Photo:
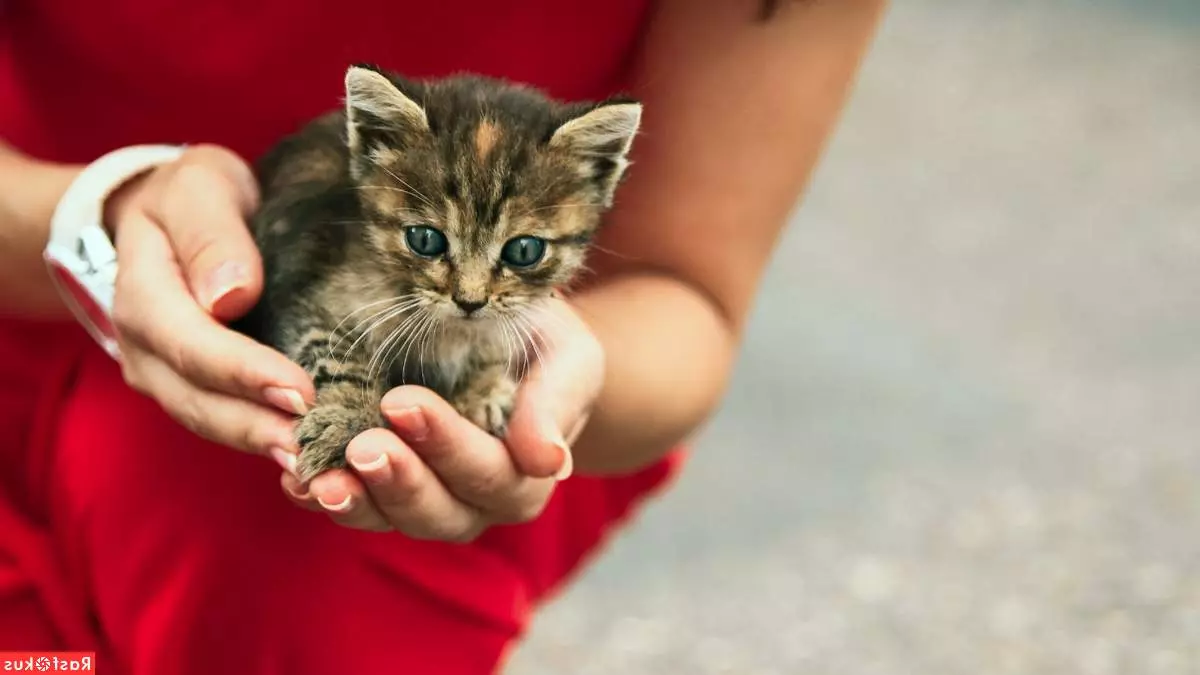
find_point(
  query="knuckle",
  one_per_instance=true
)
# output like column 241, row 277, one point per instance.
column 196, row 247
column 205, row 153
column 193, row 173
column 187, row 411
column 123, row 318
column 399, row 501
column 125, row 313
column 223, row 165
column 180, row 358
column 463, row 535
column 526, row 510
column 251, row 438
column 439, row 529
column 194, row 366
column 486, row 484
column 133, row 376
column 240, row 372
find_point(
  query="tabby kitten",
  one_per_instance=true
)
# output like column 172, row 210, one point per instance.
column 412, row 237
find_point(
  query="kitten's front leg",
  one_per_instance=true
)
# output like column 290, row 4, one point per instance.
column 347, row 403
column 485, row 396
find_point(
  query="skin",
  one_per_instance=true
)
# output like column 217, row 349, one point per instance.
column 609, row 389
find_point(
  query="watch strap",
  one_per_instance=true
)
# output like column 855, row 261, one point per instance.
column 79, row 250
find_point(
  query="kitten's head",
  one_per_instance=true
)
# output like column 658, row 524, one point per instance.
column 481, row 196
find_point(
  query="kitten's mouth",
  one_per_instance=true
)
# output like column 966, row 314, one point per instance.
column 473, row 318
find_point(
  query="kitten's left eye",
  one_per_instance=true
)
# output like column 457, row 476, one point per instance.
column 523, row 251
column 425, row 241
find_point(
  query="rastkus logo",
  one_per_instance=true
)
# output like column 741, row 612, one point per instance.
column 11, row 662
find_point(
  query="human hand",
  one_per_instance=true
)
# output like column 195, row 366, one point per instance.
column 186, row 262
column 436, row 475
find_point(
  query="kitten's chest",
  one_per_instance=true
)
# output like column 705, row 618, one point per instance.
column 452, row 361
column 447, row 360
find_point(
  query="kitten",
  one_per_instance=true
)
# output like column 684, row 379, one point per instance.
column 411, row 237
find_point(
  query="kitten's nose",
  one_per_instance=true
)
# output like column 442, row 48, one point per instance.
column 469, row 306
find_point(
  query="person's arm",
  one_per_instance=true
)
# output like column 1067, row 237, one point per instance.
column 737, row 111
column 29, row 192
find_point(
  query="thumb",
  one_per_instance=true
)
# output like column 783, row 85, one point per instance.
column 202, row 207
column 556, row 398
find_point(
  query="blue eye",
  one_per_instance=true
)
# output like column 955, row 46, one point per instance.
column 425, row 241
column 523, row 251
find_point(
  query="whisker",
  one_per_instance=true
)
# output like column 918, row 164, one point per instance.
column 510, row 347
column 393, row 353
column 376, row 320
column 396, row 299
column 408, row 344
column 523, row 325
column 387, row 316
column 423, row 342
column 403, row 332
column 615, row 254
column 543, row 321
column 548, row 207
column 415, row 192
column 395, row 305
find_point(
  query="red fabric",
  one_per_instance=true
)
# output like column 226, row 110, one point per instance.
column 122, row 533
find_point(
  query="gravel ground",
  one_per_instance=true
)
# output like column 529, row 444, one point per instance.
column 963, row 435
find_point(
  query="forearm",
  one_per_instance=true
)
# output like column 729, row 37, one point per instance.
column 29, row 192
column 715, row 174
column 669, row 356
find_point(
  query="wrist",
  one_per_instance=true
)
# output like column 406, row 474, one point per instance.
column 80, row 255
column 29, row 191
column 657, row 395
column 38, row 186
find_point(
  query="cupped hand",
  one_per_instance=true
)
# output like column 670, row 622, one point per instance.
column 435, row 475
column 187, row 263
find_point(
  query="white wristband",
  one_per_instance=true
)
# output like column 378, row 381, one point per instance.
column 79, row 254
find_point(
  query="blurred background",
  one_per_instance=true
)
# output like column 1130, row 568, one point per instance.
column 964, row 435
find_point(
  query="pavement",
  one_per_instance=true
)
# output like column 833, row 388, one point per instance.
column 964, row 434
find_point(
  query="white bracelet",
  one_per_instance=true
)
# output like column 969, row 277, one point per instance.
column 79, row 254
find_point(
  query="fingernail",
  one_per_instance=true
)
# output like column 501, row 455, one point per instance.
column 287, row 400
column 552, row 434
column 580, row 424
column 285, row 459
column 568, row 463
column 373, row 465
column 337, row 508
column 227, row 278
column 410, row 424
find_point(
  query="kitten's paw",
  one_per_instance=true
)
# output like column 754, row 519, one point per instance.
column 323, row 435
column 488, row 402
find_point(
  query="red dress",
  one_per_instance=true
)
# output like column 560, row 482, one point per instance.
column 122, row 533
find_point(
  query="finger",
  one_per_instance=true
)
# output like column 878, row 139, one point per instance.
column 153, row 309
column 345, row 500
column 298, row 492
column 225, row 420
column 410, row 496
column 554, row 402
column 203, row 205
column 472, row 464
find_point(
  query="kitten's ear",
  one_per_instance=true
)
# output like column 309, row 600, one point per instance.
column 378, row 113
column 600, row 139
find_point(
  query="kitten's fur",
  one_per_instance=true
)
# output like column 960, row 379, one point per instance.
column 347, row 298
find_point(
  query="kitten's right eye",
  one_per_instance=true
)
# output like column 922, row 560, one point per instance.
column 425, row 241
